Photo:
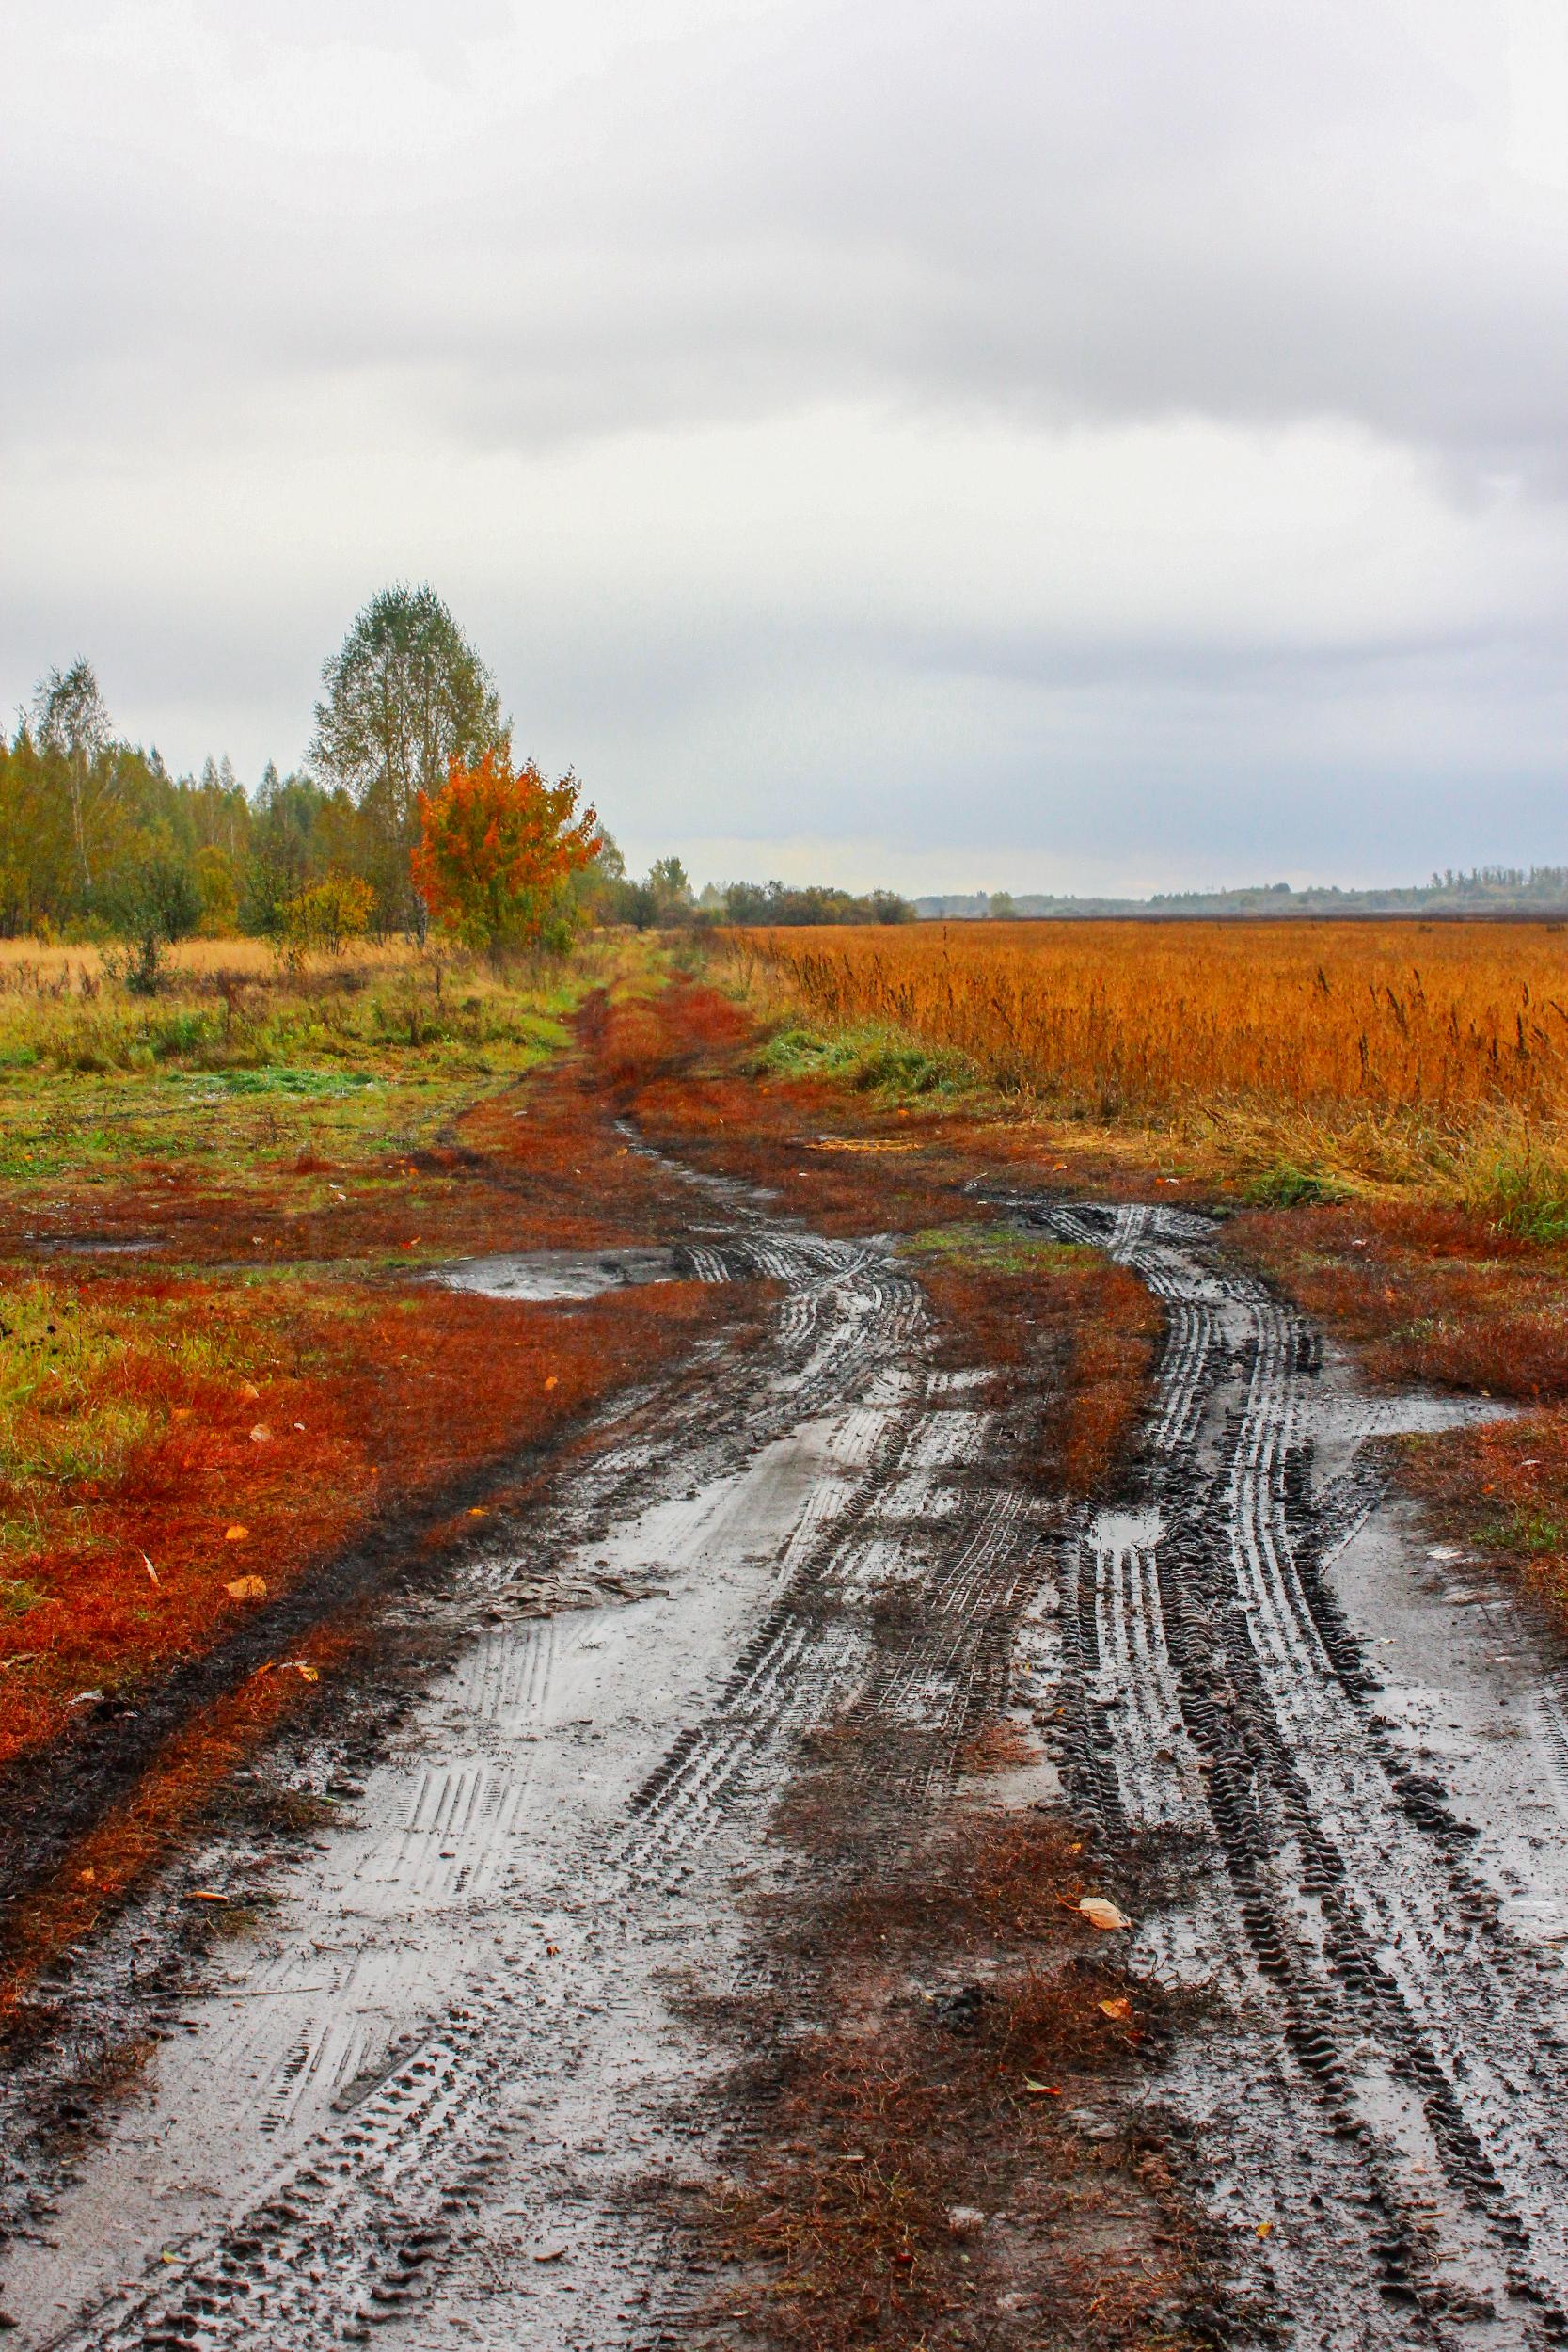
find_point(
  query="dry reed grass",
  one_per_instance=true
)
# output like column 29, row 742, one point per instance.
column 1394, row 1052
column 24, row 961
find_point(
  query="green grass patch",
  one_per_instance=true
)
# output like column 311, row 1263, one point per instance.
column 1286, row 1186
column 285, row 1081
column 1532, row 1535
column 344, row 1065
column 65, row 1358
column 872, row 1060
column 995, row 1250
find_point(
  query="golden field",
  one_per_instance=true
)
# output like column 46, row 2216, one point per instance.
column 1383, row 1052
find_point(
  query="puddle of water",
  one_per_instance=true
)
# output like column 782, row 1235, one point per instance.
column 545, row 1274
column 1125, row 1531
column 94, row 1244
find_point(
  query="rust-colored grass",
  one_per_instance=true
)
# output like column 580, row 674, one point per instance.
column 1430, row 1294
column 119, row 1577
column 106, row 1864
column 145, row 1415
column 1386, row 1050
column 1086, row 1327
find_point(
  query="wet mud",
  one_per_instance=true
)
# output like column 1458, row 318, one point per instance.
column 449, row 2088
column 1355, row 1760
column 545, row 1274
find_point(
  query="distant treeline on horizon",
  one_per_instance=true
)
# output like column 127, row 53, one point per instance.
column 1485, row 890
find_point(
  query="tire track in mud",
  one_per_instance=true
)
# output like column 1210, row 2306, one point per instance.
column 1388, row 2095
column 1399, row 2089
column 388, row 2154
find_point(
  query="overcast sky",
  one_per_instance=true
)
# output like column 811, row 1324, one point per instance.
column 968, row 443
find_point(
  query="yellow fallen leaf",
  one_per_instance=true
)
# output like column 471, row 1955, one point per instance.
column 552, row 1382
column 1118, row 2010
column 89, row 1878
column 204, row 1894
column 236, row 1535
column 1041, row 2090
column 260, row 1434
column 1264, row 2228
column 298, row 1666
column 1101, row 1913
column 250, row 1391
column 247, row 1588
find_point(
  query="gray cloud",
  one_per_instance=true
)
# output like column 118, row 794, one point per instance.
column 1014, row 417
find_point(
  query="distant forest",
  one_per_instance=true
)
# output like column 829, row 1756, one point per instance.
column 97, row 836
column 1485, row 890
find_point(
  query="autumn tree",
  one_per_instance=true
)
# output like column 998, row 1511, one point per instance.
column 498, row 850
column 407, row 695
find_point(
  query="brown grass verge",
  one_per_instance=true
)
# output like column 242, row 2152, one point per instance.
column 1430, row 1294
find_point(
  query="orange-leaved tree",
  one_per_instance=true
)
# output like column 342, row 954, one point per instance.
column 497, row 852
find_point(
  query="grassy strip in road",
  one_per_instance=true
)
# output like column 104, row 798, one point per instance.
column 927, row 2178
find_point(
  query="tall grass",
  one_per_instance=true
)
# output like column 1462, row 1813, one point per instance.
column 232, row 1006
column 1390, row 1051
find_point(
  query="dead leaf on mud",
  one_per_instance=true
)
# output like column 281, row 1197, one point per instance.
column 555, row 2254
column 1120, row 2009
column 247, row 1588
column 204, row 1894
column 236, row 1535
column 1101, row 1913
column 1041, row 2090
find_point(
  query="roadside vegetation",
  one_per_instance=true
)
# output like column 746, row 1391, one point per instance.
column 1300, row 1058
column 1382, row 1109
column 221, row 1369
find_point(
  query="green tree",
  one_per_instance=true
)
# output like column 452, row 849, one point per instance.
column 406, row 694
column 70, row 722
column 150, row 905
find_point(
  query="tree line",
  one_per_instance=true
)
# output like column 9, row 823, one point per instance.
column 411, row 808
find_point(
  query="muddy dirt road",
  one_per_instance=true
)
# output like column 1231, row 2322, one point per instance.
column 453, row 2089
